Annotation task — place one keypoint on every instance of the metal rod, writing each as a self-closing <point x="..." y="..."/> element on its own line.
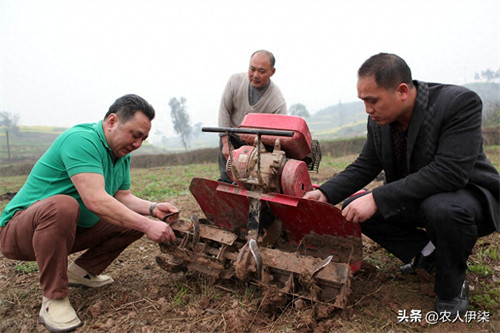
<point x="257" y="131"/>
<point x="259" y="176"/>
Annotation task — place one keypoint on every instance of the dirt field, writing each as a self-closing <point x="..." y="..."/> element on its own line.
<point x="145" y="298"/>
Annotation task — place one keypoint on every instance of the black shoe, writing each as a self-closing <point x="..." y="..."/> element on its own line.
<point x="419" y="262"/>
<point x="456" y="305"/>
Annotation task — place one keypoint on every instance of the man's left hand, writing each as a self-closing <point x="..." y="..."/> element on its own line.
<point x="360" y="209"/>
<point x="163" y="209"/>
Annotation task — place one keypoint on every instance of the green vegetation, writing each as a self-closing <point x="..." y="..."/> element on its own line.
<point x="42" y="129"/>
<point x="339" y="163"/>
<point x="488" y="299"/>
<point x="178" y="299"/>
<point x="26" y="267"/>
<point x="480" y="270"/>
<point x="11" y="184"/>
<point x="490" y="252"/>
<point x="483" y="266"/>
<point x="161" y="183"/>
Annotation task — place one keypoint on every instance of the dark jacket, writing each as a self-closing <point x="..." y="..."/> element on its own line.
<point x="445" y="153"/>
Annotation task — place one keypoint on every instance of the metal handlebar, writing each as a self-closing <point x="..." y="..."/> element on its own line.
<point x="256" y="131"/>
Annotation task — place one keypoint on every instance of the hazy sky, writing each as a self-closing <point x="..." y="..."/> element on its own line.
<point x="65" y="62"/>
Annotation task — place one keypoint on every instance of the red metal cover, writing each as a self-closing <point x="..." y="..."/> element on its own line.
<point x="228" y="207"/>
<point x="296" y="147"/>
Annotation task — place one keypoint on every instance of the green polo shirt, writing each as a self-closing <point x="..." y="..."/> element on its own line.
<point x="80" y="149"/>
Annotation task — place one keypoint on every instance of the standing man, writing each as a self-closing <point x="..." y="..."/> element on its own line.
<point x="248" y="93"/>
<point x="441" y="191"/>
<point x="78" y="197"/>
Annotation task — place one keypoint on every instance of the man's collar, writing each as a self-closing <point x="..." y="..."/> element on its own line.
<point x="100" y="132"/>
<point x="422" y="95"/>
<point x="260" y="89"/>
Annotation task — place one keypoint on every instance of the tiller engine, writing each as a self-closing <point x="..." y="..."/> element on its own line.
<point x="260" y="228"/>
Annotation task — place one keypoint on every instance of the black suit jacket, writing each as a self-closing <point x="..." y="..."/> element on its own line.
<point x="445" y="153"/>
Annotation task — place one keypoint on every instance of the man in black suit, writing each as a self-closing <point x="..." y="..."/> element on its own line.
<point x="441" y="192"/>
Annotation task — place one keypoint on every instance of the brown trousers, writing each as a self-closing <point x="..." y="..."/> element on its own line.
<point x="47" y="232"/>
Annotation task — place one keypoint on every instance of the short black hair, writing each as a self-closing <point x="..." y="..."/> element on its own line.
<point x="389" y="70"/>
<point x="126" y="106"/>
<point x="272" y="60"/>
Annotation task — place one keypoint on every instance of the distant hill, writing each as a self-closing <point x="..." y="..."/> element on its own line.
<point x="338" y="121"/>
<point x="344" y="120"/>
<point x="29" y="143"/>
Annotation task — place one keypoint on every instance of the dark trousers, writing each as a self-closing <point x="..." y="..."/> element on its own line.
<point x="47" y="232"/>
<point x="236" y="142"/>
<point x="452" y="221"/>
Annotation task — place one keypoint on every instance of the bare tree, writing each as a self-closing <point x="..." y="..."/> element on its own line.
<point x="180" y="117"/>
<point x="9" y="121"/>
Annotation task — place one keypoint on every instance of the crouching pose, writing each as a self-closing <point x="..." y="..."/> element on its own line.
<point x="441" y="192"/>
<point x="77" y="197"/>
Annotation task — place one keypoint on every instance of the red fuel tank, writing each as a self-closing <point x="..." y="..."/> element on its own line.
<point x="298" y="146"/>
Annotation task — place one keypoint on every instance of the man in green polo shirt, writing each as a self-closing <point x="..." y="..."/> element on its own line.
<point x="77" y="197"/>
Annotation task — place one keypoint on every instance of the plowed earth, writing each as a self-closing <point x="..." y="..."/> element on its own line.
<point x="145" y="298"/>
